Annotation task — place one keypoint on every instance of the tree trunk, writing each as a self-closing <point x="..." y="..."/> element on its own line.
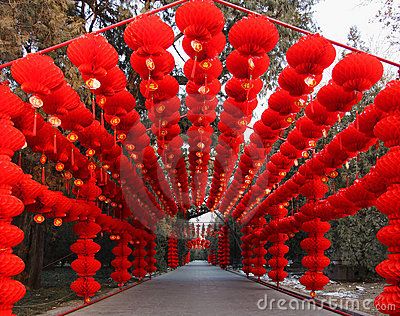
<point x="31" y="250"/>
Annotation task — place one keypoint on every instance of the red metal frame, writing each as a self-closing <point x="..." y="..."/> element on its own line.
<point x="223" y="2"/>
<point x="300" y="30"/>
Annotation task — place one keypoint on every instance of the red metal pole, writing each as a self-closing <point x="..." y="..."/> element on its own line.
<point x="300" y="30"/>
<point x="66" y="43"/>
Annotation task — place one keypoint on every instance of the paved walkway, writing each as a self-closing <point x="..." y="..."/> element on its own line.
<point x="196" y="289"/>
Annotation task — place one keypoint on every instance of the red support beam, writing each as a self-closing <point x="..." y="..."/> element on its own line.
<point x="223" y="2"/>
<point x="300" y="30"/>
<point x="112" y="26"/>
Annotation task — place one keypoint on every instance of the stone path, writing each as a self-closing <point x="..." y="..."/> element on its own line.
<point x="199" y="289"/>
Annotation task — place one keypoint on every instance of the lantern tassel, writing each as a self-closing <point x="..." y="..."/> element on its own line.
<point x="102" y="118"/>
<point x="34" y="123"/>
<point x="20" y="159"/>
<point x="43" y="175"/>
<point x="72" y="157"/>
<point x="194" y="68"/>
<point x="93" y="107"/>
<point x="55" y="143"/>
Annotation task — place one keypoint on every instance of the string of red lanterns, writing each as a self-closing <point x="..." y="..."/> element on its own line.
<point x="201" y="23"/>
<point x="252" y="37"/>
<point x="173" y="261"/>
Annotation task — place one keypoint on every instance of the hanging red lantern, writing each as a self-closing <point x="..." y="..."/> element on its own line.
<point x="93" y="56"/>
<point x="297" y="84"/>
<point x="199" y="20"/>
<point x="121" y="262"/>
<point x="311" y="54"/>
<point x="38" y="75"/>
<point x="151" y="251"/>
<point x="149" y="34"/>
<point x="316" y="261"/>
<point x="253" y="35"/>
<point x="172" y="253"/>
<point x="388" y="100"/>
<point x="139" y="253"/>
<point x="357" y="72"/>
<point x="336" y="99"/>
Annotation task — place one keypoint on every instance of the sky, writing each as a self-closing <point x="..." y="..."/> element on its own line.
<point x="335" y="17"/>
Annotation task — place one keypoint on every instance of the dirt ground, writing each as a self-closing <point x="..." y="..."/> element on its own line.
<point x="56" y="293"/>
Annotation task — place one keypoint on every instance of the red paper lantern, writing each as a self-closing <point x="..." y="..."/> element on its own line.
<point x="85" y="287"/>
<point x="336" y="99"/>
<point x="357" y="72"/>
<point x="11" y="291"/>
<point x="253" y="35"/>
<point x="388" y="100"/>
<point x="315" y="261"/>
<point x="93" y="56"/>
<point x="37" y="74"/>
<point x="199" y="20"/>
<point x="244" y="66"/>
<point x="149" y="34"/>
<point x="311" y="55"/>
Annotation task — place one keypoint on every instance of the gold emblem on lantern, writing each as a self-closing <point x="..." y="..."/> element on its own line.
<point x="206" y="64"/>
<point x="150" y="64"/>
<point x="196" y="45"/>
<point x="54" y="121"/>
<point x="333" y="174"/>
<point x="242" y="122"/>
<point x="130" y="147"/>
<point x="93" y="83"/>
<point x="92" y="166"/>
<point x="300" y="103"/>
<point x="72" y="137"/>
<point x="289" y="119"/>
<point x="250" y="62"/>
<point x="39" y="218"/>
<point x="310" y="81"/>
<point x="160" y="108"/>
<point x="90" y="152"/>
<point x="115" y="121"/>
<point x="247" y="85"/>
<point x="59" y="166"/>
<point x="57" y="222"/>
<point x="121" y="136"/>
<point x="204" y="90"/>
<point x="78" y="182"/>
<point x="152" y="86"/>
<point x="43" y="159"/>
<point x="102" y="100"/>
<point x="35" y="101"/>
<point x="67" y="175"/>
